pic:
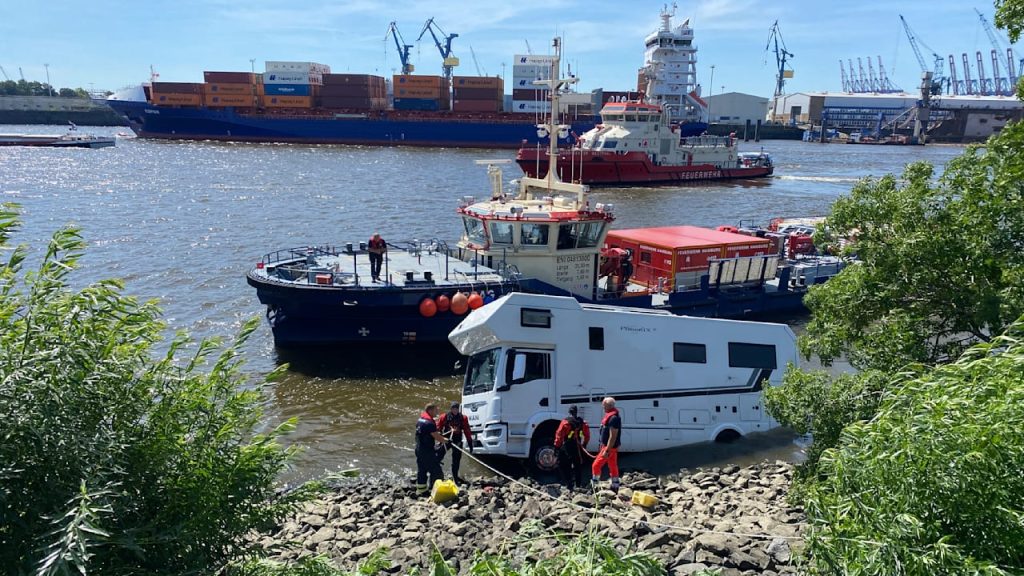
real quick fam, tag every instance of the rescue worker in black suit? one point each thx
(428, 463)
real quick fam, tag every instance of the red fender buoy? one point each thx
(428, 307)
(443, 303)
(460, 304)
(475, 301)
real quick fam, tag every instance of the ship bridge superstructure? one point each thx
(670, 71)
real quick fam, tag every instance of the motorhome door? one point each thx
(526, 386)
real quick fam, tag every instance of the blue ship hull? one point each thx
(386, 129)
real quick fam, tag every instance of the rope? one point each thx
(614, 515)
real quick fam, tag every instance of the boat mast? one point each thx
(554, 130)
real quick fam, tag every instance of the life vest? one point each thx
(606, 430)
(575, 429)
(453, 427)
(425, 428)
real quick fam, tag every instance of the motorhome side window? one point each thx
(743, 355)
(481, 372)
(535, 318)
(596, 338)
(524, 366)
(691, 353)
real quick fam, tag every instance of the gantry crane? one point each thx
(1001, 86)
(938, 78)
(403, 48)
(781, 54)
(447, 60)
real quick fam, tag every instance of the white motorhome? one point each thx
(676, 379)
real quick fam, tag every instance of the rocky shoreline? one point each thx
(732, 519)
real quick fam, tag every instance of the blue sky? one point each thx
(108, 44)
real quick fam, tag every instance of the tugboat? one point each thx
(636, 145)
(542, 237)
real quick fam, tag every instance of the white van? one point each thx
(676, 379)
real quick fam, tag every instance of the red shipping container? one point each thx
(530, 95)
(478, 82)
(288, 101)
(476, 106)
(346, 90)
(171, 99)
(352, 79)
(478, 93)
(354, 103)
(400, 80)
(229, 77)
(177, 88)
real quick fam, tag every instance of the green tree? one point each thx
(113, 459)
(941, 263)
(934, 484)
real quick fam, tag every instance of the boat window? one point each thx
(531, 366)
(566, 237)
(630, 117)
(590, 234)
(655, 118)
(475, 231)
(534, 234)
(691, 353)
(645, 257)
(609, 143)
(743, 355)
(480, 372)
(501, 232)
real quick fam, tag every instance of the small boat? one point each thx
(69, 140)
(636, 145)
(543, 236)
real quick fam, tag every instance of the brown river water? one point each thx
(183, 222)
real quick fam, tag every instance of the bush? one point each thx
(934, 484)
(113, 460)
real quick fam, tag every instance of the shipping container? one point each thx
(308, 67)
(527, 84)
(288, 101)
(356, 79)
(418, 81)
(229, 77)
(530, 106)
(349, 90)
(172, 99)
(531, 71)
(419, 92)
(353, 103)
(677, 256)
(477, 93)
(287, 89)
(177, 87)
(478, 82)
(532, 59)
(291, 78)
(417, 104)
(476, 105)
(237, 89)
(241, 100)
(530, 95)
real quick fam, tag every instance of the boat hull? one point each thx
(633, 168)
(386, 129)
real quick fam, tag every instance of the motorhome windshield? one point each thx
(481, 372)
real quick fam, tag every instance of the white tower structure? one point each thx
(670, 70)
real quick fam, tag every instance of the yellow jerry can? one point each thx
(644, 499)
(444, 490)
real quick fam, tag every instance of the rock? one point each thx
(360, 552)
(322, 535)
(691, 568)
(655, 541)
(313, 520)
(779, 550)
(742, 560)
(717, 544)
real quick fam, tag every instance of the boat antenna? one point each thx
(552, 129)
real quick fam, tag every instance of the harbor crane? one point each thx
(403, 48)
(4, 72)
(476, 64)
(938, 78)
(447, 60)
(1001, 86)
(781, 55)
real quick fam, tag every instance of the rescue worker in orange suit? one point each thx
(611, 439)
(454, 425)
(572, 435)
(377, 247)
(428, 464)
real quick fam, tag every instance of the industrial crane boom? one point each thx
(448, 61)
(781, 54)
(403, 48)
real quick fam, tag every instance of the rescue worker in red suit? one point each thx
(570, 438)
(428, 463)
(611, 439)
(377, 247)
(454, 425)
